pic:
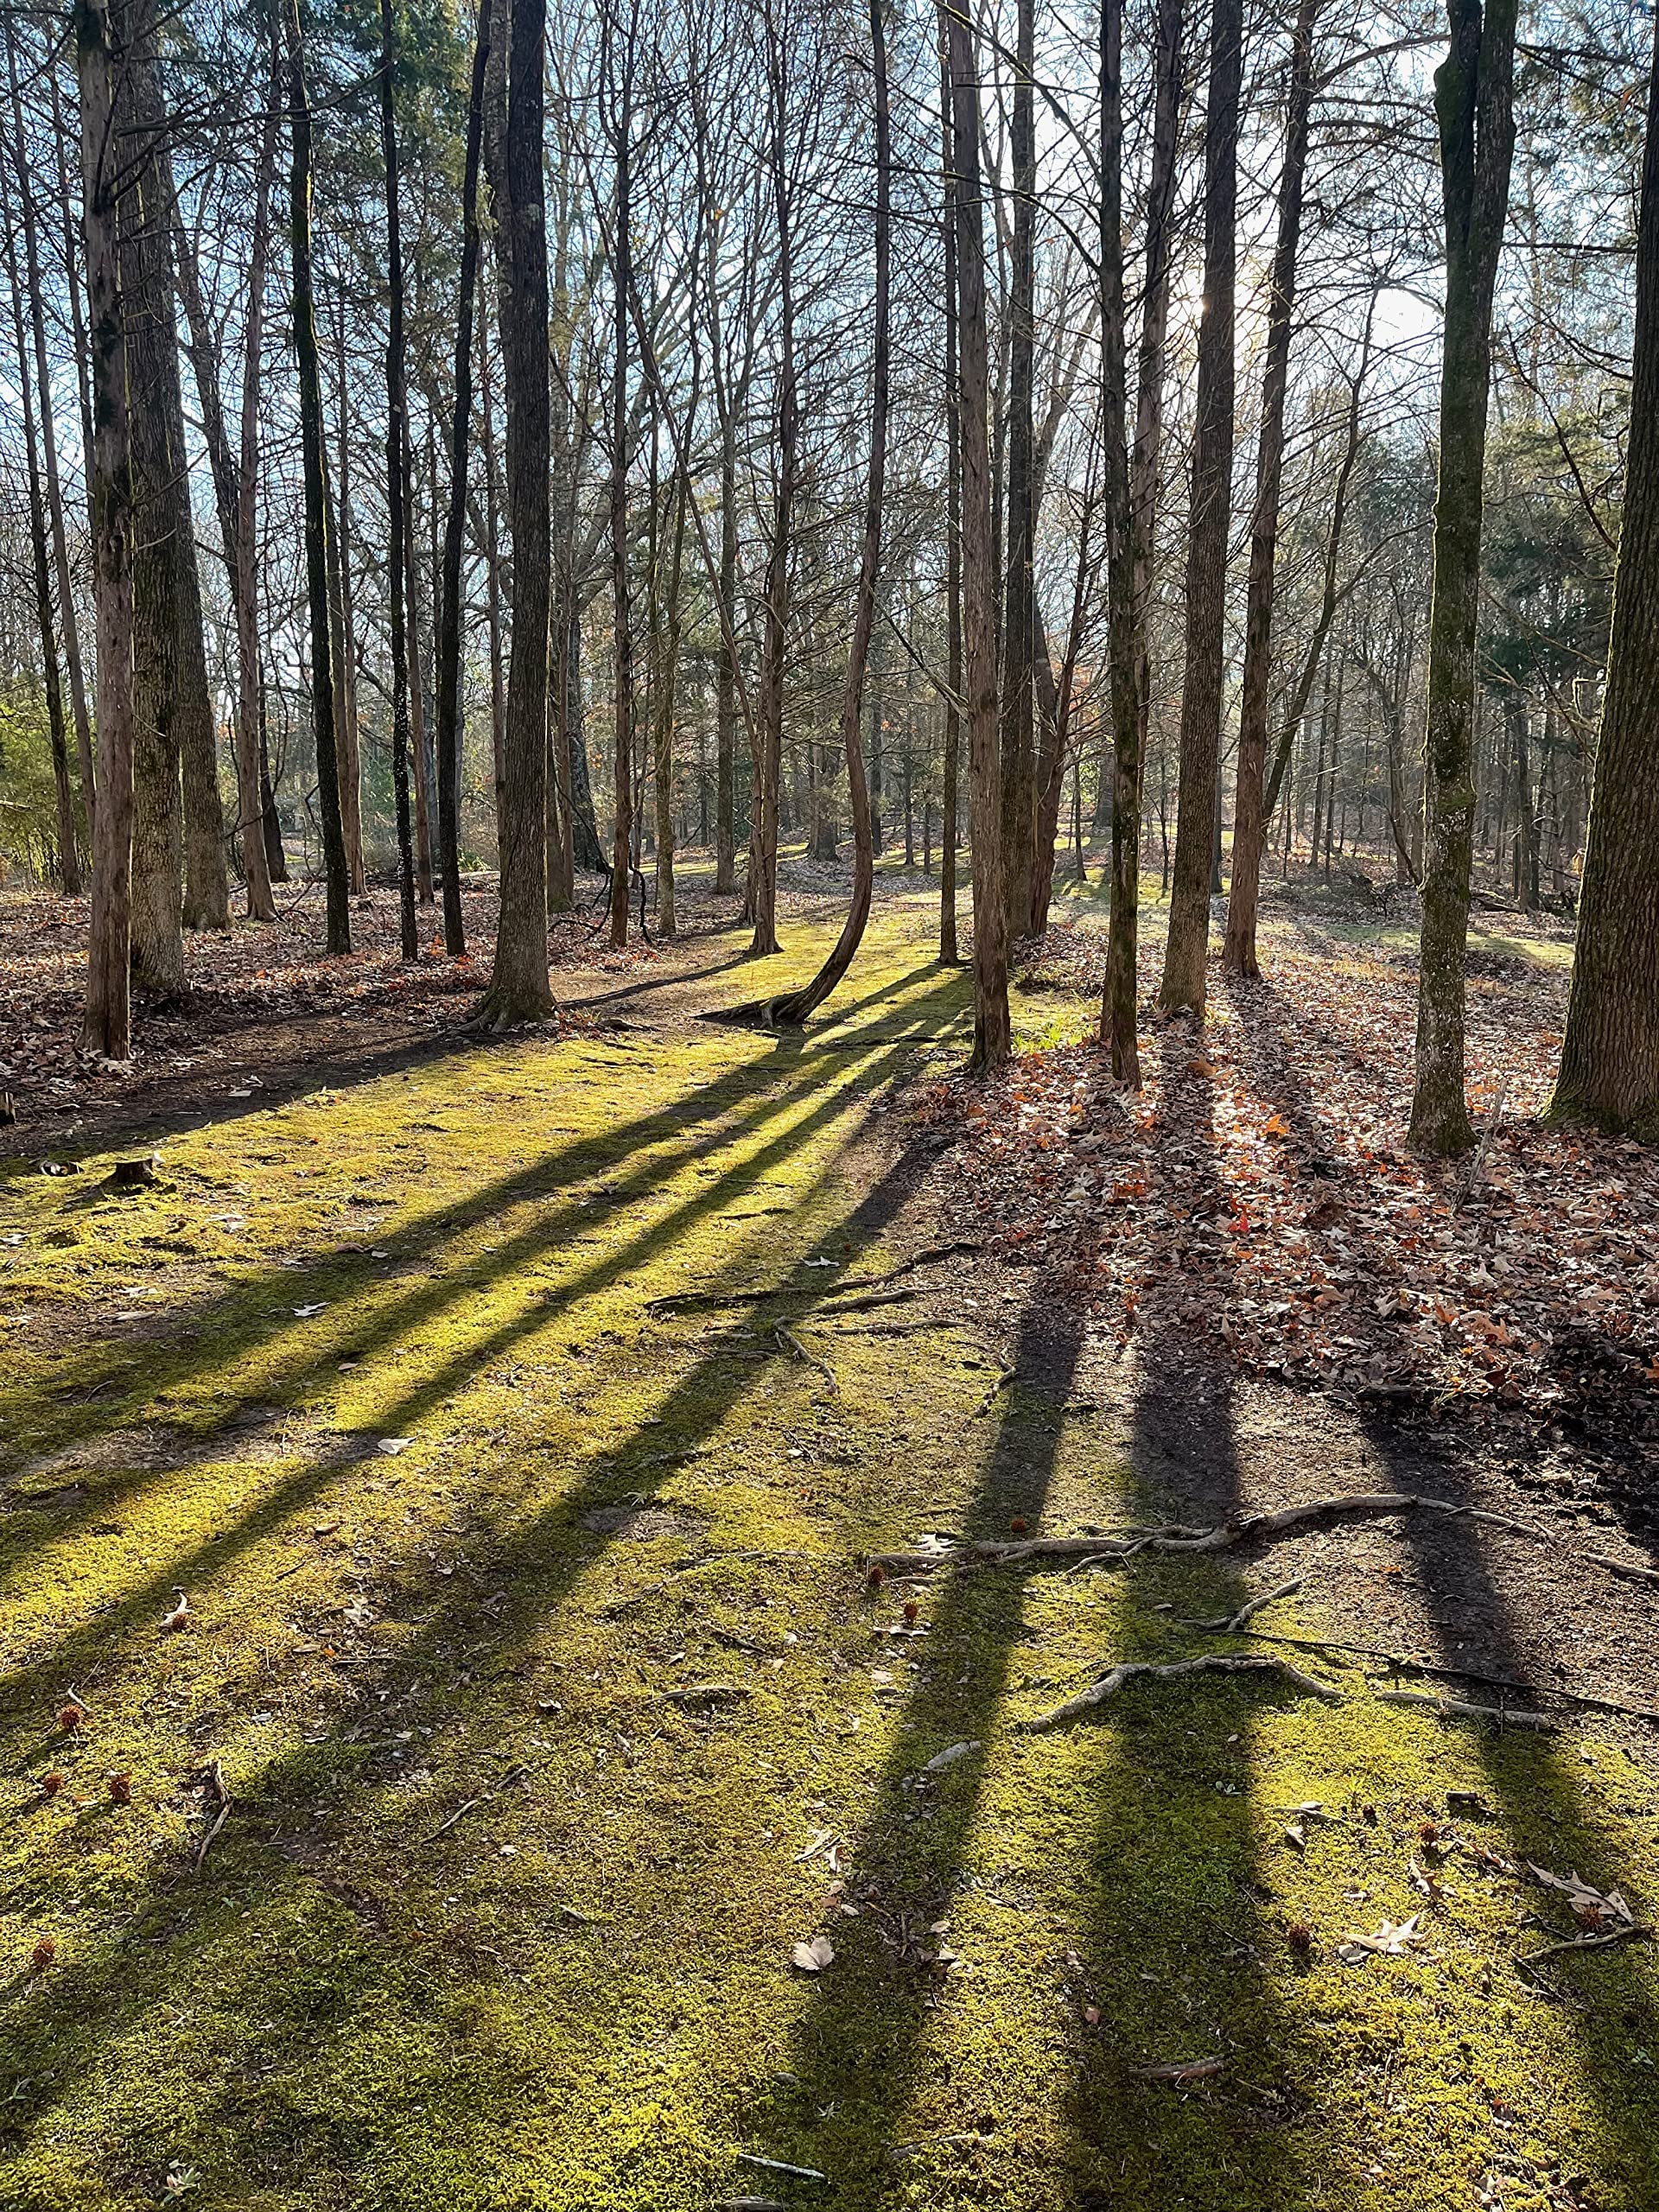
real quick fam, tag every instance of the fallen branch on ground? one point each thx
(1624, 1566)
(1006, 1376)
(1211, 1663)
(1457, 1708)
(1604, 1942)
(514, 1773)
(218, 1794)
(788, 1341)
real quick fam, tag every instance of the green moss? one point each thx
(578, 1993)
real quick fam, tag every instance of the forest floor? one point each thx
(539, 1804)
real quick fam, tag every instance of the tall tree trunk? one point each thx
(1202, 688)
(448, 644)
(235, 492)
(622, 616)
(725, 675)
(1138, 504)
(1117, 1011)
(1610, 1058)
(158, 619)
(774, 643)
(493, 544)
(49, 437)
(950, 773)
(798, 1005)
(663, 732)
(313, 453)
(396, 489)
(519, 988)
(425, 883)
(993, 1040)
(1473, 104)
(101, 67)
(1249, 815)
(347, 750)
(68, 859)
(1016, 736)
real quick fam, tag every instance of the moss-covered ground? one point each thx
(501, 1911)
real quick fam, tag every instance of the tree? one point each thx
(1610, 1057)
(1208, 526)
(798, 1005)
(1118, 1023)
(313, 453)
(1474, 109)
(101, 69)
(449, 640)
(519, 989)
(397, 491)
(1249, 819)
(993, 1039)
(1020, 614)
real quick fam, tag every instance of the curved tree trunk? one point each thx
(798, 1005)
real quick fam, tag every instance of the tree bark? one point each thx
(519, 988)
(49, 439)
(448, 645)
(951, 769)
(1019, 793)
(622, 615)
(68, 858)
(1118, 1002)
(774, 643)
(1239, 952)
(798, 1005)
(313, 453)
(1610, 1058)
(397, 491)
(993, 1040)
(1188, 941)
(1473, 105)
(100, 62)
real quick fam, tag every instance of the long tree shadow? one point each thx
(352, 1822)
(68, 1656)
(1543, 1806)
(860, 2055)
(285, 1362)
(1176, 1937)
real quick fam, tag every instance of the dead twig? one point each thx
(1211, 1663)
(1181, 2069)
(705, 1694)
(1624, 1566)
(1006, 1376)
(1603, 1942)
(217, 1794)
(514, 1773)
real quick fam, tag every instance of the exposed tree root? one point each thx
(1457, 1708)
(1229, 1536)
(1211, 1663)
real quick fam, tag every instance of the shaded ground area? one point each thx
(515, 1420)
